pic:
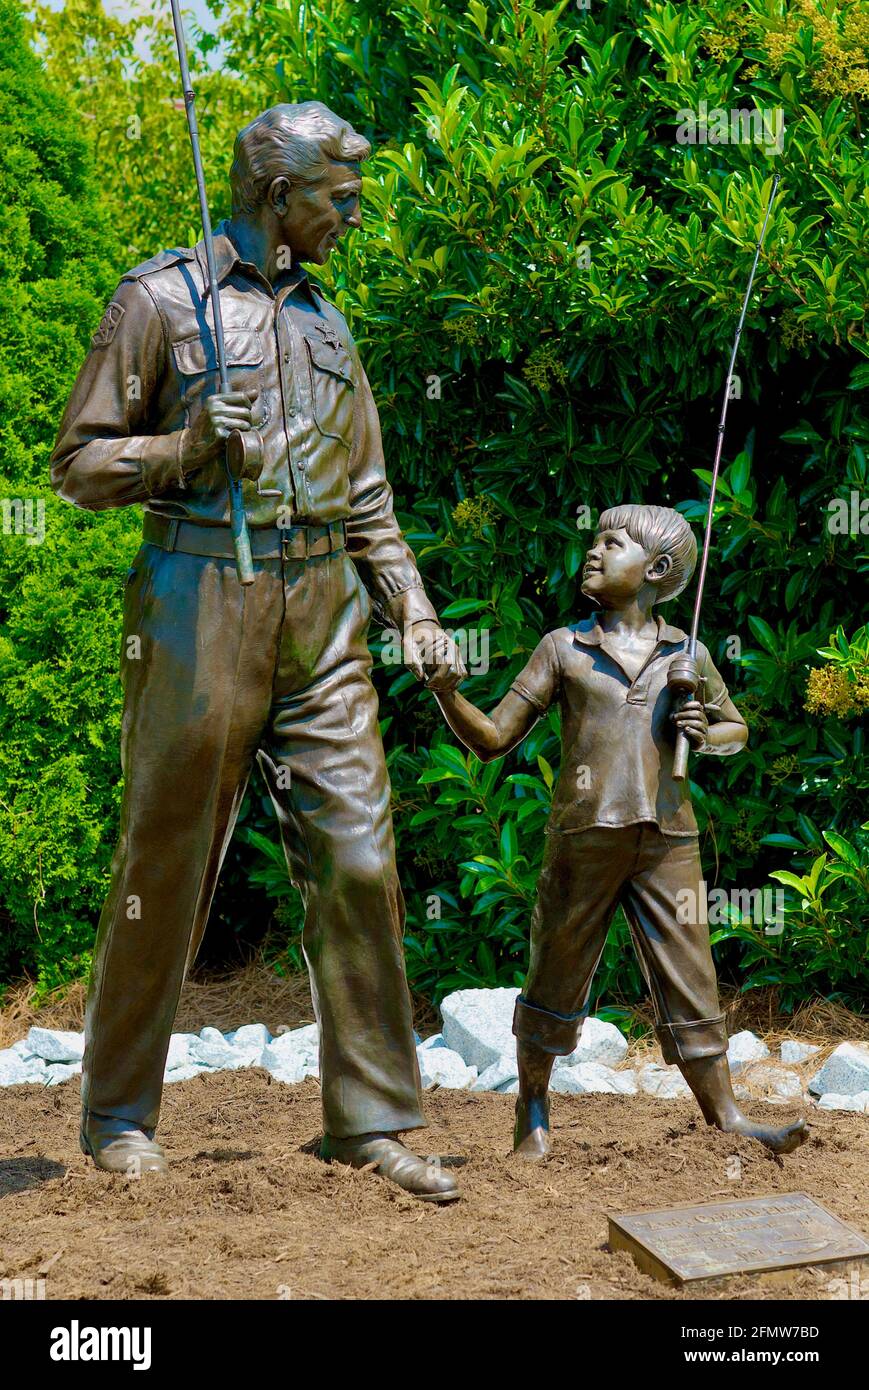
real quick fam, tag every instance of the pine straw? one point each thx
(255, 994)
(251, 994)
(817, 1021)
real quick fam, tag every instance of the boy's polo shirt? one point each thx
(617, 738)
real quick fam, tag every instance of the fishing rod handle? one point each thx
(680, 757)
(240, 533)
(683, 679)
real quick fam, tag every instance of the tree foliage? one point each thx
(545, 292)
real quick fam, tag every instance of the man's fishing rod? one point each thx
(236, 445)
(683, 675)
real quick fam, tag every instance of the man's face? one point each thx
(316, 217)
(615, 569)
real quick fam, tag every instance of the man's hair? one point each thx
(295, 142)
(660, 531)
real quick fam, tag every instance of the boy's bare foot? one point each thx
(780, 1141)
(531, 1134)
(709, 1079)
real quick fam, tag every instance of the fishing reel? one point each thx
(245, 457)
(683, 679)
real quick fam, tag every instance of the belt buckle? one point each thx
(287, 535)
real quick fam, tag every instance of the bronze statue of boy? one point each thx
(622, 829)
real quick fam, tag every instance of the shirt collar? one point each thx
(590, 633)
(227, 259)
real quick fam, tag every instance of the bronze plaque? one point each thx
(759, 1233)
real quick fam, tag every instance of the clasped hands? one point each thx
(433, 657)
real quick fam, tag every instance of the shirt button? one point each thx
(286, 357)
(291, 410)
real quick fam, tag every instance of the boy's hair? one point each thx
(660, 531)
(296, 141)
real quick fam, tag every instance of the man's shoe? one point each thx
(423, 1179)
(119, 1147)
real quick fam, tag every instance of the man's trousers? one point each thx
(215, 675)
(658, 880)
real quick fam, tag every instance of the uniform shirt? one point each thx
(153, 363)
(617, 740)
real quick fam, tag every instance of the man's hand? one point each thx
(433, 657)
(206, 438)
(691, 721)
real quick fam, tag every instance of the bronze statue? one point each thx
(218, 672)
(622, 828)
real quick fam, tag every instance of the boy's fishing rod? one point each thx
(683, 675)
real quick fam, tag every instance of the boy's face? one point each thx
(615, 569)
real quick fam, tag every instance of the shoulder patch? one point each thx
(159, 262)
(108, 325)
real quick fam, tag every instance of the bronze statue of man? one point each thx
(216, 674)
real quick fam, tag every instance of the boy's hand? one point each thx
(435, 658)
(691, 721)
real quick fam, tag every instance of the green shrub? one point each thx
(59, 608)
(545, 293)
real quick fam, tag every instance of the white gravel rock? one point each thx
(249, 1042)
(212, 1050)
(440, 1066)
(858, 1102)
(250, 1035)
(179, 1050)
(20, 1071)
(589, 1078)
(774, 1081)
(598, 1042)
(184, 1073)
(294, 1055)
(436, 1040)
(54, 1046)
(743, 1048)
(61, 1071)
(795, 1052)
(22, 1049)
(667, 1083)
(845, 1072)
(478, 1024)
(499, 1076)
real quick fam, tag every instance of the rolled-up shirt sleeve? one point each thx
(539, 681)
(713, 690)
(385, 561)
(105, 456)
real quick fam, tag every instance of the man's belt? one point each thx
(266, 542)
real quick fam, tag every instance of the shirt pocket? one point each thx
(196, 363)
(332, 388)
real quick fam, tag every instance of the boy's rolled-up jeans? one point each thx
(585, 876)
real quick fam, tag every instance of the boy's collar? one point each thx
(590, 633)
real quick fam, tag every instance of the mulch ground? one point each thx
(249, 1212)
